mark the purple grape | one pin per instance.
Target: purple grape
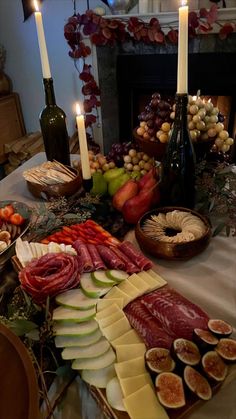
(221, 117)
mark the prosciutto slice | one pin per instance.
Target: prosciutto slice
(96, 259)
(135, 256)
(147, 326)
(49, 275)
(84, 258)
(130, 267)
(110, 258)
(177, 315)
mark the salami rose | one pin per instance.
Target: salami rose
(49, 275)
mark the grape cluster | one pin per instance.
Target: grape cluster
(118, 151)
(136, 161)
(156, 113)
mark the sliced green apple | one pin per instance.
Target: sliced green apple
(97, 363)
(114, 395)
(101, 279)
(81, 341)
(75, 329)
(91, 351)
(117, 275)
(76, 299)
(90, 289)
(64, 314)
(99, 378)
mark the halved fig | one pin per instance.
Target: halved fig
(170, 390)
(214, 366)
(186, 351)
(220, 327)
(204, 339)
(197, 383)
(226, 348)
(159, 360)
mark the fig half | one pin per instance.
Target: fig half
(186, 351)
(214, 366)
(170, 390)
(220, 327)
(159, 360)
(197, 383)
(204, 338)
(226, 348)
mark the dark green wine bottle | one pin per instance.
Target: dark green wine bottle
(177, 184)
(53, 126)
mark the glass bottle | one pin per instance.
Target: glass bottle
(177, 184)
(53, 126)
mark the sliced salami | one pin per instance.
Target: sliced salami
(96, 259)
(49, 275)
(84, 258)
(130, 267)
(110, 258)
(147, 326)
(135, 256)
(177, 315)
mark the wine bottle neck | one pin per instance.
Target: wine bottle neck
(49, 92)
(181, 107)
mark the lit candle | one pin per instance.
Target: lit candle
(42, 42)
(84, 157)
(182, 79)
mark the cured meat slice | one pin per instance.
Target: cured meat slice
(177, 315)
(130, 267)
(85, 260)
(147, 326)
(96, 259)
(49, 275)
(135, 256)
(110, 258)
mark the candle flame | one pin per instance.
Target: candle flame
(184, 3)
(78, 110)
(36, 6)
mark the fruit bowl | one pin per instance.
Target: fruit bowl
(167, 250)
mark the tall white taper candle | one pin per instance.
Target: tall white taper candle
(182, 77)
(42, 43)
(84, 157)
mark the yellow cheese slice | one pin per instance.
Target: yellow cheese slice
(139, 283)
(126, 352)
(157, 277)
(129, 289)
(131, 337)
(152, 283)
(102, 303)
(106, 321)
(130, 368)
(115, 292)
(116, 329)
(131, 384)
(143, 404)
(113, 308)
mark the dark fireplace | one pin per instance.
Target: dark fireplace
(129, 74)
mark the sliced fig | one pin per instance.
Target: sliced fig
(159, 360)
(214, 366)
(220, 327)
(204, 339)
(170, 390)
(197, 383)
(226, 348)
(186, 351)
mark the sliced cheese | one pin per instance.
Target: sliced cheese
(106, 321)
(130, 368)
(116, 329)
(143, 404)
(115, 292)
(139, 283)
(157, 277)
(129, 289)
(113, 308)
(131, 337)
(105, 303)
(126, 352)
(131, 384)
(152, 283)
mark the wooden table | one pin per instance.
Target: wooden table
(208, 280)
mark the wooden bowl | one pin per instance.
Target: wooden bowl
(157, 150)
(56, 190)
(172, 251)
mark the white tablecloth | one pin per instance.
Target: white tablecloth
(208, 280)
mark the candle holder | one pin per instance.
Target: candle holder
(87, 184)
(53, 126)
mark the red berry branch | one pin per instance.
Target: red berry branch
(102, 31)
